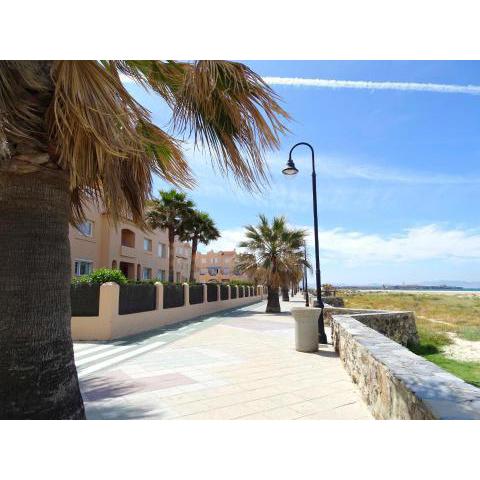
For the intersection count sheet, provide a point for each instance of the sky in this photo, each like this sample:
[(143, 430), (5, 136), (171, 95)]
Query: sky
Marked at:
[(397, 150)]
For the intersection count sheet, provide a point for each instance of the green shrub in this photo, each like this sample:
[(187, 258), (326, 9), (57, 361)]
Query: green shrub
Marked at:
[(102, 275), (241, 282), (470, 333)]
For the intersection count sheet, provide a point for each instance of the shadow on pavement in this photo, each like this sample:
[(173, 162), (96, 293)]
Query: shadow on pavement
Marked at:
[(104, 400)]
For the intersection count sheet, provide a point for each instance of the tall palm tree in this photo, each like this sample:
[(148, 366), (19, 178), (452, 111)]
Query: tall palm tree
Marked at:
[(69, 132), (293, 278), (273, 255), (170, 212), (199, 228)]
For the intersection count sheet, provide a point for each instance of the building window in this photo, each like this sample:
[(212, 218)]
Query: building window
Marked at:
[(162, 250), (128, 238), (86, 228), (83, 267), (161, 275), (213, 271), (226, 271), (146, 273), (147, 244)]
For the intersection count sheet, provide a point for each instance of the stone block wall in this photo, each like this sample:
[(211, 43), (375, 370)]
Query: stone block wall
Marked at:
[(397, 384), (333, 301), (398, 326)]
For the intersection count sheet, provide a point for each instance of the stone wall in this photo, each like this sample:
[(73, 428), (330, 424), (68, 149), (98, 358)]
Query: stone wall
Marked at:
[(397, 384), (333, 301), (398, 326)]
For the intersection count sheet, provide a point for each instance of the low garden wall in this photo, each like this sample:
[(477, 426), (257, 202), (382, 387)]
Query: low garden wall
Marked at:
[(115, 311), (394, 382), (398, 326), (333, 301)]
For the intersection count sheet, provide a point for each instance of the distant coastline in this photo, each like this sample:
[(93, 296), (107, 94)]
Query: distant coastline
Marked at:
[(410, 288)]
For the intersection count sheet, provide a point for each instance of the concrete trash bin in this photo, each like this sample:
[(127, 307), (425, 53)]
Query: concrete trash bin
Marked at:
[(306, 329)]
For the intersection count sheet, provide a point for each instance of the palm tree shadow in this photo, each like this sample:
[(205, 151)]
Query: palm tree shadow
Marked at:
[(104, 400)]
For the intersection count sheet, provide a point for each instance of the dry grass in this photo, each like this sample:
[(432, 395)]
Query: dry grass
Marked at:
[(437, 312), (437, 315)]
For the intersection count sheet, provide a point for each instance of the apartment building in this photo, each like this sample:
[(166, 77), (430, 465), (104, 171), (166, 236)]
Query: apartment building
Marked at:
[(140, 255), (217, 267)]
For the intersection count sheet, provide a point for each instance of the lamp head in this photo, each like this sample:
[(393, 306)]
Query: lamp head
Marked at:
[(290, 168)]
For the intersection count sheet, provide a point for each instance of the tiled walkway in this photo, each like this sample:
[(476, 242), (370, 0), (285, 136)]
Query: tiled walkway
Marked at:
[(239, 364)]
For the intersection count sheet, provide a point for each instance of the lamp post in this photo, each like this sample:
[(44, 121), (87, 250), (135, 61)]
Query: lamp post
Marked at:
[(290, 169), (305, 276)]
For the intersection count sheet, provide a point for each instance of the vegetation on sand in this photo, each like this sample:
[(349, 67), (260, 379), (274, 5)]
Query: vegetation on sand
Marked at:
[(437, 316)]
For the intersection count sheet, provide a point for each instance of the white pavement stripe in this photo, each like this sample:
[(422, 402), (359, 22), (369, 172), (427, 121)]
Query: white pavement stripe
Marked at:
[(78, 347), (112, 351), (117, 359), (89, 351)]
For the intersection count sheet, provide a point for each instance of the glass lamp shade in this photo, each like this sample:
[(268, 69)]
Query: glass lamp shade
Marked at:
[(290, 168)]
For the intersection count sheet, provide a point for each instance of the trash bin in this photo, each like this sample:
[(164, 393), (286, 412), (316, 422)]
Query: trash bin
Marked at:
[(306, 329)]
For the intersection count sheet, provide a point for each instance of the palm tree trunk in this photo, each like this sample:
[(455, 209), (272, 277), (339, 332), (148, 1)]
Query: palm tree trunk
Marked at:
[(38, 378), (193, 259), (171, 256), (285, 296), (273, 302)]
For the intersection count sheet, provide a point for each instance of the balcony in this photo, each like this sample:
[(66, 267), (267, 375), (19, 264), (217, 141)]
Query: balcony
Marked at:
[(127, 251)]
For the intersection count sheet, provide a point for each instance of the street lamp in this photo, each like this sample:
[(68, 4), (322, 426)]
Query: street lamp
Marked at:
[(305, 276), (291, 169)]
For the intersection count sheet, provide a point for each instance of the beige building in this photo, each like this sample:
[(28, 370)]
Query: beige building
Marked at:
[(140, 255), (217, 267)]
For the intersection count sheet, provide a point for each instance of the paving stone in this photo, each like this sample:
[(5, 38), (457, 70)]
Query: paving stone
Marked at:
[(226, 367)]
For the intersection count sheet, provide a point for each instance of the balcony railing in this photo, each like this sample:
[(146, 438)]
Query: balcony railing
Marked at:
[(127, 252)]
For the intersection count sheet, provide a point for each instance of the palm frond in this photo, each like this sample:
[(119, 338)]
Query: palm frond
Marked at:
[(227, 108), (106, 141), (21, 113), (274, 252)]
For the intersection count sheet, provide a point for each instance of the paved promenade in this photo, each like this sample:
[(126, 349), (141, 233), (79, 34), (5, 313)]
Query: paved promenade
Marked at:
[(239, 364)]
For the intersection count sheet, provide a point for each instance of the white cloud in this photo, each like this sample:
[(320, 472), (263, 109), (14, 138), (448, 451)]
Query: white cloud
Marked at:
[(340, 168), (228, 241), (428, 242), (367, 85)]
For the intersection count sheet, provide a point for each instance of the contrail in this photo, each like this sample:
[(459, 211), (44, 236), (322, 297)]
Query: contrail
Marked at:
[(366, 85)]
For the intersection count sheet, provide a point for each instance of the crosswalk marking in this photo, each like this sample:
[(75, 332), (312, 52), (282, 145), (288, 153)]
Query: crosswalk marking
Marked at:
[(89, 351), (87, 356), (118, 358), (113, 350)]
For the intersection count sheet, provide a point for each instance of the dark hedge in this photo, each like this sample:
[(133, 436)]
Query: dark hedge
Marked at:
[(135, 298), (240, 292), (196, 294), (223, 292), (173, 296), (233, 291), (211, 292), (85, 298)]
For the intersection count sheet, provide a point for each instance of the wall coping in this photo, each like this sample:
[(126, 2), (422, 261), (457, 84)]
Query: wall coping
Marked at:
[(423, 389)]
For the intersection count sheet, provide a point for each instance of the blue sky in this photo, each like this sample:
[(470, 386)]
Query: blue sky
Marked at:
[(398, 168)]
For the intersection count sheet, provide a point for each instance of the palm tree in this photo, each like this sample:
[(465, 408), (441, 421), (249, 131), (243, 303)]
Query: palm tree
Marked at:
[(69, 132), (170, 212), (273, 256), (199, 228)]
